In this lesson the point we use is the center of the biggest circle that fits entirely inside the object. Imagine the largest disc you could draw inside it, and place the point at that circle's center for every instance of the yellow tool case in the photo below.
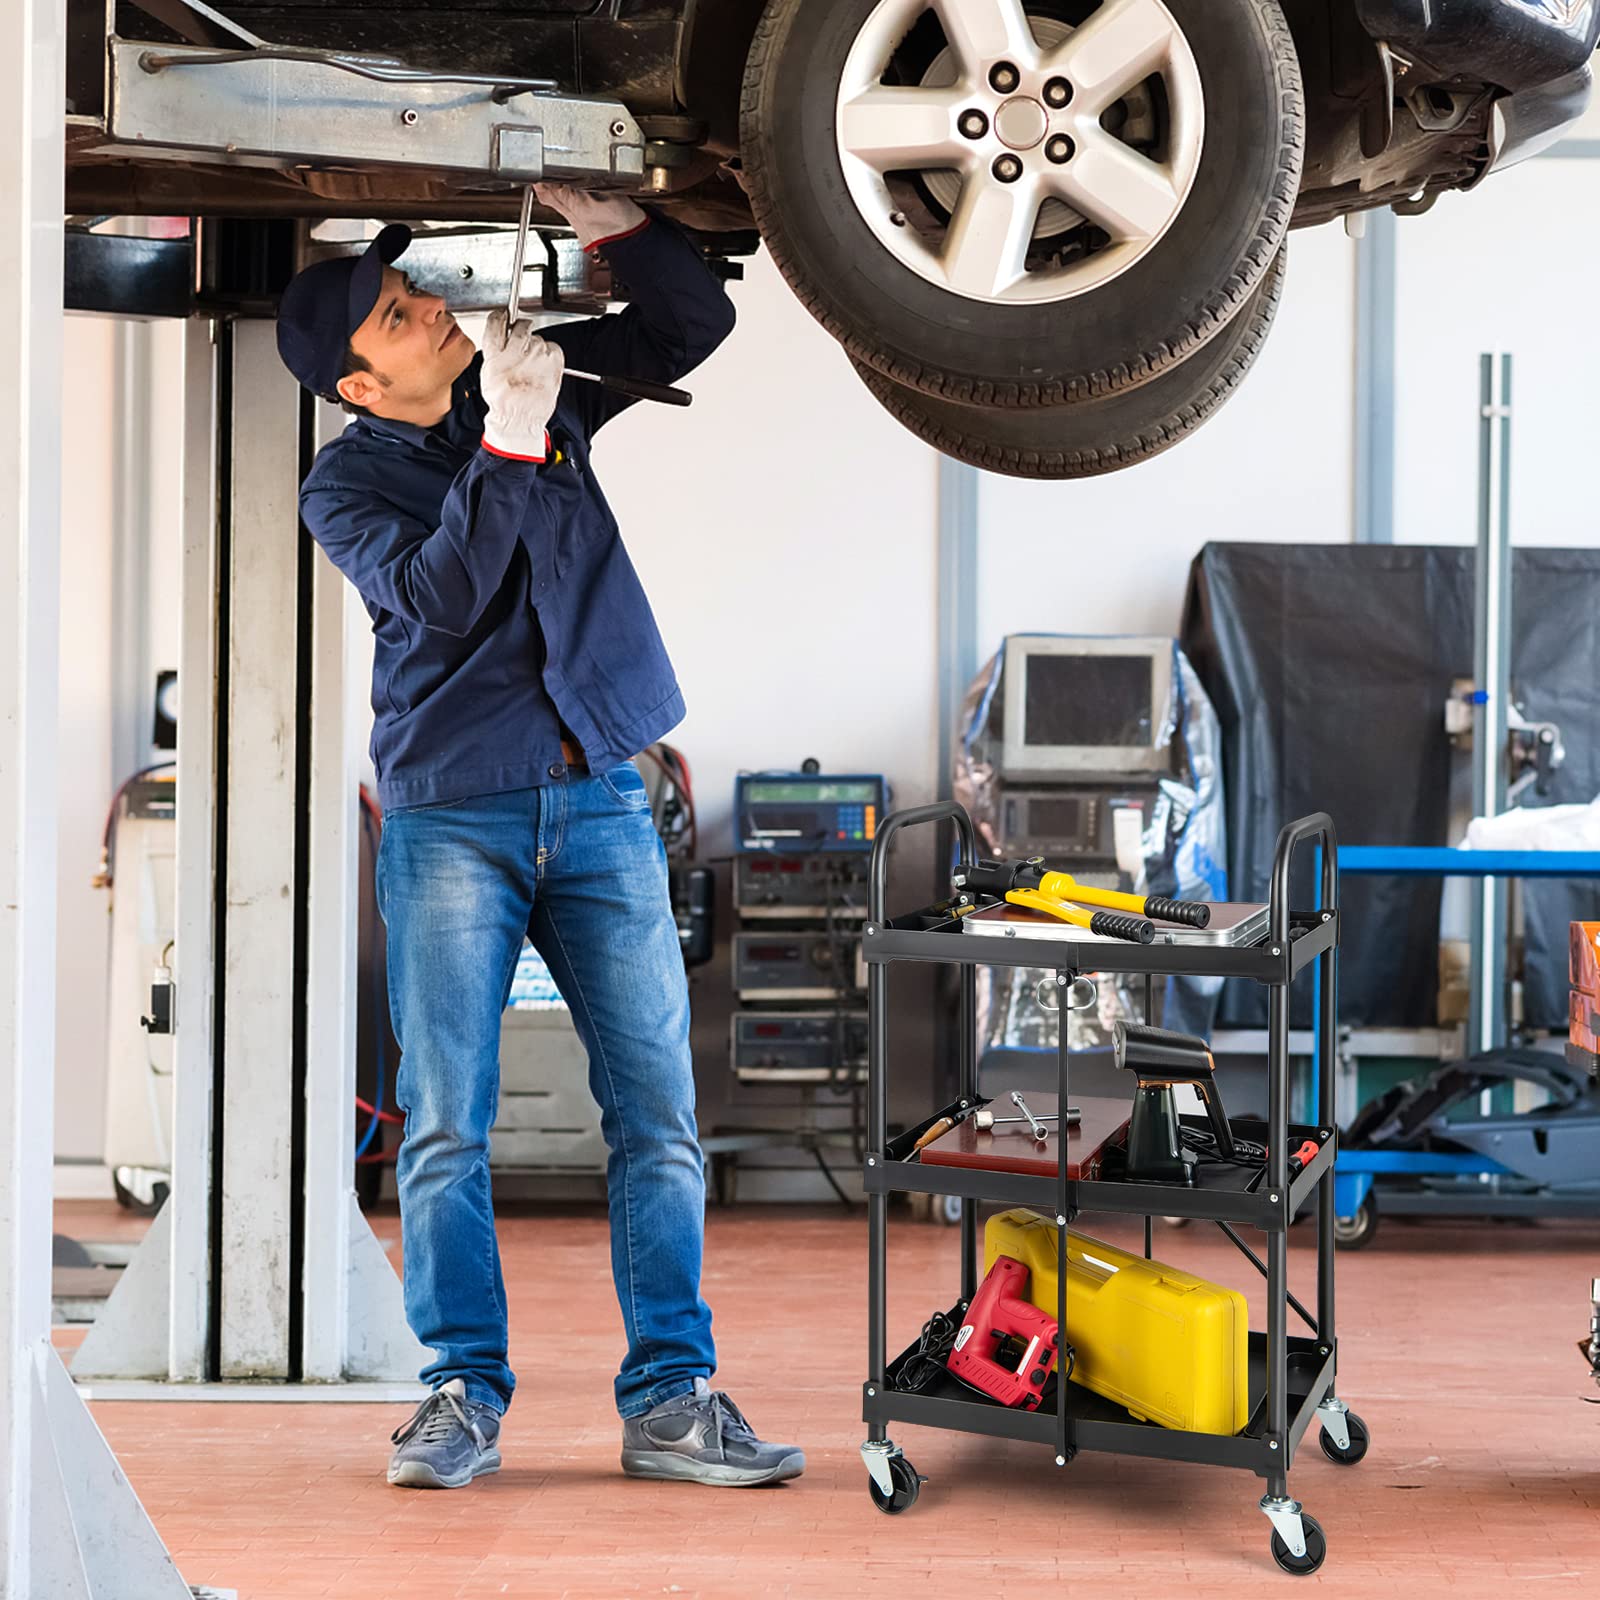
(1169, 1346)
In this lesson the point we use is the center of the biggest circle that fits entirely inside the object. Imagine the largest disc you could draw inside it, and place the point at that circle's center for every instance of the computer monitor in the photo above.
(1075, 706)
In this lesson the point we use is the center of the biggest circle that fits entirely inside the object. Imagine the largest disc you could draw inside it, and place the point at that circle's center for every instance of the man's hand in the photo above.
(595, 218)
(521, 379)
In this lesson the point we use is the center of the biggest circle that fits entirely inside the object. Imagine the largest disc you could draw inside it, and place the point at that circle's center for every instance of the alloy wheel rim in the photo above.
(1012, 133)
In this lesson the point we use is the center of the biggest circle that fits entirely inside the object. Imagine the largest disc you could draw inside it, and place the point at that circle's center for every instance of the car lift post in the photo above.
(71, 1527)
(260, 1279)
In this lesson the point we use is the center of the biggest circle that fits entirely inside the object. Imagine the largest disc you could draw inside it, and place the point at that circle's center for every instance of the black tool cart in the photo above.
(1291, 1377)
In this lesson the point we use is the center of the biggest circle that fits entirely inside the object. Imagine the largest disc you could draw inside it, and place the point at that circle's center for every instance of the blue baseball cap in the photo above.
(326, 303)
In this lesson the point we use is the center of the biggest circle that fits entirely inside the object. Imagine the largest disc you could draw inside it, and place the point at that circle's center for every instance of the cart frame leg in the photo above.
(1066, 1445)
(1327, 1029)
(877, 1205)
(1149, 1022)
(1278, 1242)
(968, 1024)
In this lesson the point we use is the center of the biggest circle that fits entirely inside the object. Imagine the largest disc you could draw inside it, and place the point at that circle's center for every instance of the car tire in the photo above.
(1188, 281)
(1099, 435)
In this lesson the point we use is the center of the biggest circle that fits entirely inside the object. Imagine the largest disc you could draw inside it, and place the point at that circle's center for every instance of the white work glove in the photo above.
(521, 379)
(596, 218)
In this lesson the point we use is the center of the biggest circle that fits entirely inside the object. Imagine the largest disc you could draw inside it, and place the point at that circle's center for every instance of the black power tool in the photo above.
(1161, 1060)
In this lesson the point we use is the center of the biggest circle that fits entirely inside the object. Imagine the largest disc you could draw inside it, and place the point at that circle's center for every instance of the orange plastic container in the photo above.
(1583, 959)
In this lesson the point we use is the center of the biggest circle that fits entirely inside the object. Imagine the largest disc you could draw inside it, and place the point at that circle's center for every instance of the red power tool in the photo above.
(983, 1355)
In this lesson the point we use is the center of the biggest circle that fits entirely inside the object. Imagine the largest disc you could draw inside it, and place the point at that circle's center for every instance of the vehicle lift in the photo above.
(266, 783)
(236, 96)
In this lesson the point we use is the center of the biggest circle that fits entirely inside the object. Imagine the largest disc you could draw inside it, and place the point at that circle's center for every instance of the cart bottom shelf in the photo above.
(1095, 1423)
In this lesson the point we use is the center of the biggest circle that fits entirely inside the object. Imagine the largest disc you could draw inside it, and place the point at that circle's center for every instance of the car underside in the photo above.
(1049, 234)
(1397, 109)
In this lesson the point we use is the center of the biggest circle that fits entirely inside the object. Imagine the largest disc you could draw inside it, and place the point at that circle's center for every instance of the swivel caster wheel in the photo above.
(1316, 1548)
(1347, 1455)
(907, 1486)
(1357, 1232)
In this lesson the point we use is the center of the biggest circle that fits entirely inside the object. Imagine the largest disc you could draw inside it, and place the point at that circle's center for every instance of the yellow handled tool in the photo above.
(1000, 877)
(1063, 886)
(1106, 923)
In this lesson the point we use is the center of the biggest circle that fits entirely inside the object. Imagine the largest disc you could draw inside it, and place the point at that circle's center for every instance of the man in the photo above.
(517, 667)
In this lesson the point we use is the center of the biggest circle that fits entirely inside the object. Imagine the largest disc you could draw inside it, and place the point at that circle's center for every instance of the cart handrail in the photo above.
(1319, 825)
(942, 810)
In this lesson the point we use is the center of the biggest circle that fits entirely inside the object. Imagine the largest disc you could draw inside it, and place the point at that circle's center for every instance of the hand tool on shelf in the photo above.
(987, 1119)
(1040, 1132)
(937, 1131)
(633, 388)
(1001, 877)
(1302, 1158)
(984, 1120)
(1108, 924)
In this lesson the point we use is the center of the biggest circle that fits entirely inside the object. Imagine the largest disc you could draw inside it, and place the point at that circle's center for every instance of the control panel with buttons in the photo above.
(801, 813)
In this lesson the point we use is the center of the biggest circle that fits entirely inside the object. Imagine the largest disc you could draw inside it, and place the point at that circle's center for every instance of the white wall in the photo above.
(786, 530)
(85, 735)
(1507, 267)
(1112, 554)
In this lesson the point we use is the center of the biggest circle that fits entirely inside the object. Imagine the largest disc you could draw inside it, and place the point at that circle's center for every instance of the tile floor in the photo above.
(1457, 1347)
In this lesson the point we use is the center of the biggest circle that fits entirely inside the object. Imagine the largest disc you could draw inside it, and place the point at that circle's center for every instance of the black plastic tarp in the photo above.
(1329, 667)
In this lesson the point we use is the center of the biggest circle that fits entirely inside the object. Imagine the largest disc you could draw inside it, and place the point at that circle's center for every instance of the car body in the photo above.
(1052, 252)
(1477, 84)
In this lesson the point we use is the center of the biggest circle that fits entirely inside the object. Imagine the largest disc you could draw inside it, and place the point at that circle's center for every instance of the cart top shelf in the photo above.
(936, 934)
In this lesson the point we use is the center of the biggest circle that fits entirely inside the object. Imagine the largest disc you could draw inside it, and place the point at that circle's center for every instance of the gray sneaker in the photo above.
(703, 1438)
(449, 1441)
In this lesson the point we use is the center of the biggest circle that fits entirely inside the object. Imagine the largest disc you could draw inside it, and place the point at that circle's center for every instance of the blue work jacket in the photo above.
(503, 603)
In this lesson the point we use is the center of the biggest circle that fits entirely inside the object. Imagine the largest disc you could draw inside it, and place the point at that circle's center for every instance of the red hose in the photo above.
(382, 1116)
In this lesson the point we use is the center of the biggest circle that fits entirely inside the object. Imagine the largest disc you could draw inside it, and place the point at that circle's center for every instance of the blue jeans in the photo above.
(576, 865)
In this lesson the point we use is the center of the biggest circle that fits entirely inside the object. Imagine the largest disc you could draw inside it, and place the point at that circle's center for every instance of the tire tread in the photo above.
(1217, 309)
(975, 450)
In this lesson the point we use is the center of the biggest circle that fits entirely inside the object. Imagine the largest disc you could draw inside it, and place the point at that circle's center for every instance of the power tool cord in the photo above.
(927, 1361)
(934, 1344)
(1247, 1153)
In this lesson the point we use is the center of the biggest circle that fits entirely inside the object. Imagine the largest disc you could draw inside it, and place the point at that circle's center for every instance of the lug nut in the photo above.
(1003, 77)
(973, 124)
(1057, 92)
(1007, 168)
(1059, 149)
